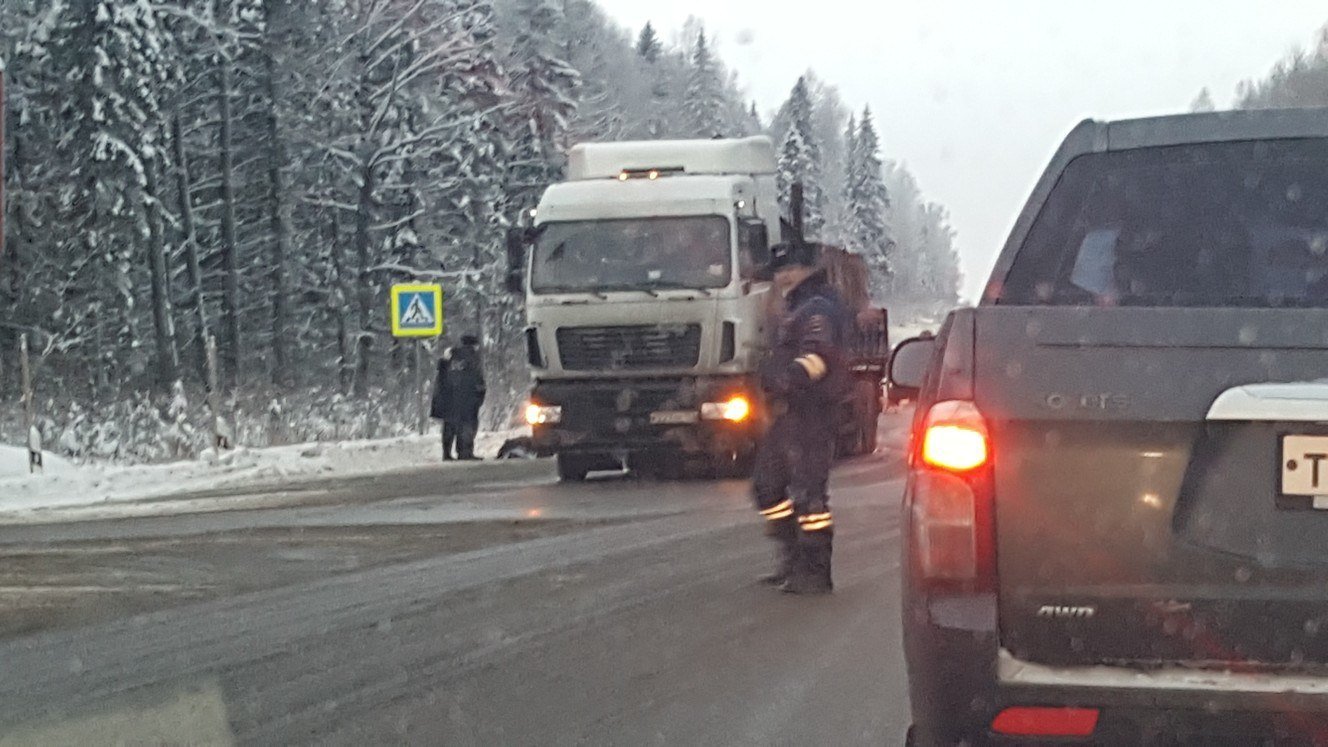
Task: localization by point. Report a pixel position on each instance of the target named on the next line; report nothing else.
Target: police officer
(459, 391)
(805, 378)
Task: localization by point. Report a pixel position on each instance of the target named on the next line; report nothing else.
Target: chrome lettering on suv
(1066, 612)
(1105, 402)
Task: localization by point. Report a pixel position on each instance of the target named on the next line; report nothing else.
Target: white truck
(645, 276)
(650, 307)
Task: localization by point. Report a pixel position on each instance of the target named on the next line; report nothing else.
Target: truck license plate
(1305, 468)
(674, 417)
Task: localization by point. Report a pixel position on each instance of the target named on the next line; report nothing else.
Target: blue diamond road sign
(417, 310)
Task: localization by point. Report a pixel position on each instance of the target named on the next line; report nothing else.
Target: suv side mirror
(754, 239)
(517, 239)
(909, 364)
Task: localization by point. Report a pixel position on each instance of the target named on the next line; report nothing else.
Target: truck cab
(648, 306)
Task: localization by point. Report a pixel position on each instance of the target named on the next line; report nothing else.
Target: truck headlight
(734, 410)
(543, 414)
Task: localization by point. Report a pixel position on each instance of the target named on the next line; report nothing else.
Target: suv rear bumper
(960, 680)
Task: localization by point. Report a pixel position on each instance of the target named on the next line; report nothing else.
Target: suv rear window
(1213, 224)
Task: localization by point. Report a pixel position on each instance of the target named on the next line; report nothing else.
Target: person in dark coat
(805, 378)
(442, 403)
(458, 394)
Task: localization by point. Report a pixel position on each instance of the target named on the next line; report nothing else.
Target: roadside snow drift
(64, 485)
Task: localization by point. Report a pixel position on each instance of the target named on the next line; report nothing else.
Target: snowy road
(489, 605)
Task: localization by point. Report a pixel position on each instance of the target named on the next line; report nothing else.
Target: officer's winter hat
(789, 253)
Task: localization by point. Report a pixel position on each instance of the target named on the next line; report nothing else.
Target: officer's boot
(812, 574)
(785, 533)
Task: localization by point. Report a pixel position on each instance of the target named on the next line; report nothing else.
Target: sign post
(221, 437)
(35, 463)
(417, 313)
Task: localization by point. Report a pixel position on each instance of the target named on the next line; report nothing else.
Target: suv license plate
(1305, 468)
(674, 417)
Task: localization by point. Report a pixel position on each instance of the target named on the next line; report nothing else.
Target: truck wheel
(573, 467)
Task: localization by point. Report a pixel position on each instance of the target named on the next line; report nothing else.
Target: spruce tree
(648, 46)
(800, 160)
(545, 89)
(113, 60)
(868, 205)
(705, 103)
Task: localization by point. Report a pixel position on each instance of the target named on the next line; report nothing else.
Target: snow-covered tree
(925, 262)
(848, 224)
(114, 65)
(868, 203)
(545, 87)
(648, 46)
(800, 160)
(1203, 102)
(704, 103)
(754, 122)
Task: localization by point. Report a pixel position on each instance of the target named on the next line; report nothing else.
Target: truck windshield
(634, 254)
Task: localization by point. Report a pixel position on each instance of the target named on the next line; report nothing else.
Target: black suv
(1117, 514)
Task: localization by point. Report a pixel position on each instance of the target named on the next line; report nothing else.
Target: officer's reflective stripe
(814, 365)
(814, 522)
(781, 510)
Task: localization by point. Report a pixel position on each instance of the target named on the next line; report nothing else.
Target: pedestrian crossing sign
(417, 310)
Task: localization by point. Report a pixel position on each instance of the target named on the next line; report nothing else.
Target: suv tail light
(951, 502)
(954, 437)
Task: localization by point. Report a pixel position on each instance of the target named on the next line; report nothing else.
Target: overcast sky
(974, 96)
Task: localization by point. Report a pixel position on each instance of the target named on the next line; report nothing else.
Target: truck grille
(621, 348)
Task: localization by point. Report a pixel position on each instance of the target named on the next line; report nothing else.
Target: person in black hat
(458, 394)
(805, 378)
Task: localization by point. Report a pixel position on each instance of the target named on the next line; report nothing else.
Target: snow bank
(65, 485)
(14, 463)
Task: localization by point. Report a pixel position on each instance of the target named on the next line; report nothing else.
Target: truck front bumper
(624, 416)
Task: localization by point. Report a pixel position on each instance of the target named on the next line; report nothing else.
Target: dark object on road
(458, 394)
(518, 448)
(1114, 530)
(805, 379)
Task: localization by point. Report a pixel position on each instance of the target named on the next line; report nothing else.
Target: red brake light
(951, 511)
(1046, 722)
(954, 437)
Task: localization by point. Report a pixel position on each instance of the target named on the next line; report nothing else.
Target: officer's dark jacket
(459, 389)
(808, 368)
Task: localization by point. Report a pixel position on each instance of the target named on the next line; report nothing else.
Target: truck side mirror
(909, 364)
(517, 239)
(754, 238)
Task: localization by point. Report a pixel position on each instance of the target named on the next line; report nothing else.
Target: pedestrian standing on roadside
(463, 393)
(441, 405)
(805, 378)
